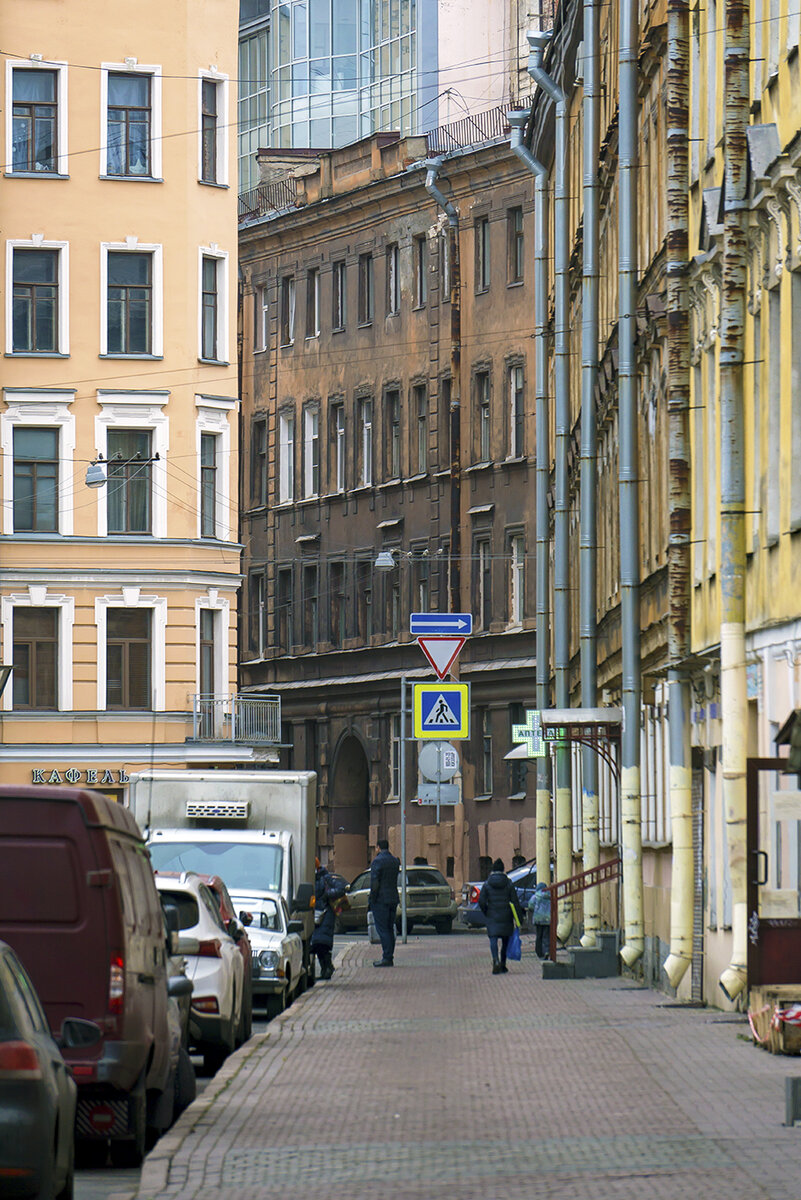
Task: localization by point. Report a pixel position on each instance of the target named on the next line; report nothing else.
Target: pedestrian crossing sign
(441, 710)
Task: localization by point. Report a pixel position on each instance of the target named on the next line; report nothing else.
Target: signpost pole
(402, 789)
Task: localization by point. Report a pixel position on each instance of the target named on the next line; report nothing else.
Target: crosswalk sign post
(441, 710)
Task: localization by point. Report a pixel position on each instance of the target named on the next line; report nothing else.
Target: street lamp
(385, 561)
(97, 471)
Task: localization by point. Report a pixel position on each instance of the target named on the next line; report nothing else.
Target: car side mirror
(179, 985)
(246, 918)
(295, 927)
(235, 929)
(76, 1033)
(303, 897)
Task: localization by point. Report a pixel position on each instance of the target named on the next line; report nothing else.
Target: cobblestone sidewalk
(440, 1081)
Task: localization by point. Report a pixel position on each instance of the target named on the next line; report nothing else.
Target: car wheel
(444, 926)
(129, 1153)
(68, 1190)
(276, 1003)
(214, 1057)
(245, 1027)
(185, 1082)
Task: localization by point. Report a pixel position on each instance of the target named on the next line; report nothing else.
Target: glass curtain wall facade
(341, 69)
(253, 117)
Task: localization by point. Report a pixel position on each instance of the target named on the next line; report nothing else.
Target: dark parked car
(37, 1091)
(429, 901)
(525, 880)
(79, 905)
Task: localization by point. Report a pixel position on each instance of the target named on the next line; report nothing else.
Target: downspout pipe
(588, 469)
(517, 121)
(733, 691)
(563, 809)
(628, 488)
(679, 540)
(432, 169)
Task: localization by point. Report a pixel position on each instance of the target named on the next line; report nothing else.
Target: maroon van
(79, 906)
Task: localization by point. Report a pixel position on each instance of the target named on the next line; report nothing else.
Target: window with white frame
(135, 498)
(338, 296)
(37, 436)
(208, 485)
(213, 442)
(37, 279)
(286, 457)
(420, 251)
(130, 486)
(287, 310)
(483, 430)
(516, 412)
(313, 303)
(338, 438)
(261, 318)
(131, 313)
(311, 451)
(517, 563)
(213, 164)
(365, 446)
(131, 651)
(37, 633)
(393, 279)
(36, 122)
(208, 681)
(213, 339)
(131, 135)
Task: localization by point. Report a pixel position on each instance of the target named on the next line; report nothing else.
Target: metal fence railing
(470, 130)
(234, 718)
(267, 197)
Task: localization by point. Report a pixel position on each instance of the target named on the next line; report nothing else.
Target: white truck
(256, 829)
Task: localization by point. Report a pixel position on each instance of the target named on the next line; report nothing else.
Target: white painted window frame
(213, 416)
(311, 434)
(223, 123)
(135, 410)
(37, 596)
(131, 597)
(132, 245)
(132, 67)
(39, 242)
(219, 605)
(286, 456)
(261, 301)
(221, 258)
(517, 568)
(28, 64)
(42, 408)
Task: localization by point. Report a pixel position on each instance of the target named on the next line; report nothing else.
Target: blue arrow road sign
(441, 624)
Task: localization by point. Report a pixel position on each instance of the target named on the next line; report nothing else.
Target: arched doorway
(349, 808)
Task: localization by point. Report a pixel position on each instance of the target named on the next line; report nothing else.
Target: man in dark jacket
(496, 899)
(322, 939)
(384, 900)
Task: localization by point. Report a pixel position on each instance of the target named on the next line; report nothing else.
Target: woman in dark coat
(495, 900)
(322, 940)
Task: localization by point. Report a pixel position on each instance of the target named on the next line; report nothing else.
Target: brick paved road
(455, 1084)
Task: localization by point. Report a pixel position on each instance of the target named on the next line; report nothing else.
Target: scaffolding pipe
(733, 692)
(517, 121)
(628, 483)
(588, 566)
(679, 503)
(433, 166)
(563, 808)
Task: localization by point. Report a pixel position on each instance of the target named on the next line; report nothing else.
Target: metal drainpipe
(517, 121)
(628, 484)
(733, 695)
(563, 809)
(433, 166)
(678, 405)
(588, 565)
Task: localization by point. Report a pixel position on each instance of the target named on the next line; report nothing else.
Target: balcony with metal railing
(235, 718)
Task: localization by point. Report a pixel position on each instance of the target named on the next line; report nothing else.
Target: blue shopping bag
(514, 950)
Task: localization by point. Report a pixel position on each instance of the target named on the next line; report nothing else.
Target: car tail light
(475, 892)
(453, 893)
(209, 948)
(19, 1060)
(116, 985)
(205, 1004)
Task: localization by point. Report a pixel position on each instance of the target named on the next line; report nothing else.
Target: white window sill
(35, 354)
(34, 175)
(131, 178)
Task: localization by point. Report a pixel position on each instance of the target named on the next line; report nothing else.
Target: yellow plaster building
(118, 601)
(771, 446)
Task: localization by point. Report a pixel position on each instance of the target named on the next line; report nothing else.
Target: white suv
(216, 971)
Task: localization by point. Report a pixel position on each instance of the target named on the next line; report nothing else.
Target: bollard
(792, 1099)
